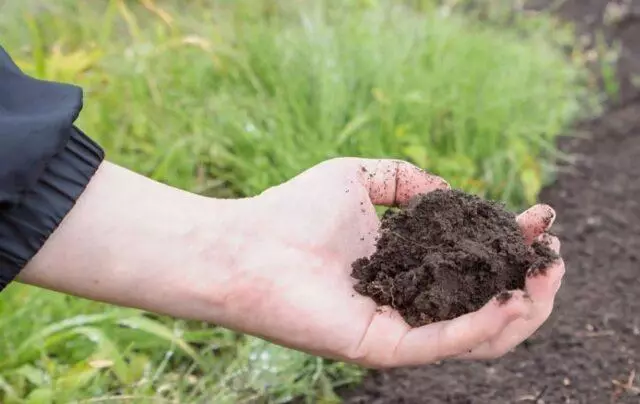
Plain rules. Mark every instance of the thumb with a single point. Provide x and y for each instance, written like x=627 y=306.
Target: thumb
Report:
x=394 y=182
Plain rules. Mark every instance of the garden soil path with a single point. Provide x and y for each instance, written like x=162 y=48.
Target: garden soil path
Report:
x=589 y=350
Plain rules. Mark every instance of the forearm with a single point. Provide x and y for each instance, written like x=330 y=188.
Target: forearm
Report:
x=138 y=243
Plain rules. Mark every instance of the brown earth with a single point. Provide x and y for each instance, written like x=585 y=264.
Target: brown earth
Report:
x=447 y=254
x=589 y=350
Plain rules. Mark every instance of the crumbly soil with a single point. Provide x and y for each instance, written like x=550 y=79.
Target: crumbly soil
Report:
x=588 y=352
x=447 y=254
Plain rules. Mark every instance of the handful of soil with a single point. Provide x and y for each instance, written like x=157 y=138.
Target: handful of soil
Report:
x=447 y=254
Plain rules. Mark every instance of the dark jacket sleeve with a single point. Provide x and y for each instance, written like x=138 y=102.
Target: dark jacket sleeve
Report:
x=45 y=162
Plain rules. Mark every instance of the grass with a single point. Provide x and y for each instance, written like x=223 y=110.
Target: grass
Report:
x=227 y=98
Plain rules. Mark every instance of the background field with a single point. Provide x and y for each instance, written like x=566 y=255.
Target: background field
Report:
x=227 y=98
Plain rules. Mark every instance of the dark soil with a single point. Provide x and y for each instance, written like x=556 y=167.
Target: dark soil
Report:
x=588 y=352
x=447 y=254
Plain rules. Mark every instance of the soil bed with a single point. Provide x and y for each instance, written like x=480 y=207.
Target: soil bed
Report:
x=447 y=254
x=589 y=350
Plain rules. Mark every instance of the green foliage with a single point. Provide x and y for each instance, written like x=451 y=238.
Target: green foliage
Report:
x=607 y=58
x=233 y=99
x=227 y=98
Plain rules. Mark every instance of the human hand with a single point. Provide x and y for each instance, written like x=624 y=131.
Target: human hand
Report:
x=277 y=265
x=292 y=282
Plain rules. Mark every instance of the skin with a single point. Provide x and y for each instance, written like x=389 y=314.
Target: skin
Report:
x=276 y=265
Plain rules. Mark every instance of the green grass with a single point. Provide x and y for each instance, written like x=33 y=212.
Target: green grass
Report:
x=227 y=98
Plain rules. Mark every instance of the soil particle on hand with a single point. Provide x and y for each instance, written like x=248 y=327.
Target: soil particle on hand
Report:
x=447 y=254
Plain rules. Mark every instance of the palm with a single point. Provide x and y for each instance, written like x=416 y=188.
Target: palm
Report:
x=323 y=220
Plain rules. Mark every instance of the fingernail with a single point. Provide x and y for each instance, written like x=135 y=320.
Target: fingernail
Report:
x=550 y=217
x=437 y=181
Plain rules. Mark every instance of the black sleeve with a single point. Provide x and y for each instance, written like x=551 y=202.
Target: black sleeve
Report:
x=45 y=162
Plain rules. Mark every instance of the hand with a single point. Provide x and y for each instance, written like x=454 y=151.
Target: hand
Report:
x=293 y=279
x=277 y=265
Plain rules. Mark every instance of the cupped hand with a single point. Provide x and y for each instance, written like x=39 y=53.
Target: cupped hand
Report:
x=292 y=282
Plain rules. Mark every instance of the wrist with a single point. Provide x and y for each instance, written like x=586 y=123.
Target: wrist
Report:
x=207 y=274
x=218 y=288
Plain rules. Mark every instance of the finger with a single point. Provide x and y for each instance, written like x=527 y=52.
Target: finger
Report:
x=541 y=285
x=450 y=338
x=535 y=221
x=550 y=241
x=520 y=329
x=393 y=182
x=510 y=338
x=542 y=289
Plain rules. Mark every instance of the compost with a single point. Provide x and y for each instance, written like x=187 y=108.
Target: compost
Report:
x=447 y=254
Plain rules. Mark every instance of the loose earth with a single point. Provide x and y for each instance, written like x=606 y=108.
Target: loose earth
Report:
x=447 y=254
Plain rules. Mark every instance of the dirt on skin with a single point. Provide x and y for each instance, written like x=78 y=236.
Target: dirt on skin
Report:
x=588 y=352
x=447 y=254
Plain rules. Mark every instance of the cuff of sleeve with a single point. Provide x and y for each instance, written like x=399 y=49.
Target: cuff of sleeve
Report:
x=25 y=227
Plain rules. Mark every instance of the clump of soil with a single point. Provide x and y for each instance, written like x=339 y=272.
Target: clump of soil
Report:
x=448 y=253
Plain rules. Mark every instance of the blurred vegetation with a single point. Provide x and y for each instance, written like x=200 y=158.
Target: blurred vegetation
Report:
x=227 y=98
